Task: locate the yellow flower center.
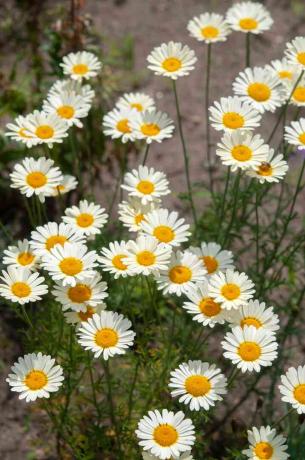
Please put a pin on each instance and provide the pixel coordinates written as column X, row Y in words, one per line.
column 146, row 187
column 302, row 138
column 106, row 338
column 117, row 262
column 197, row 385
column 299, row 393
column 230, row 291
column 233, row 120
column 210, row 263
column 44, row 131
column 55, row 239
column 71, row 266
column 172, row 64
column 301, row 58
column 259, row 92
column 35, row 380
column 265, row 169
column 165, row 435
column 251, row 321
column 20, row 289
column 248, row 24
column 22, row 133
column 80, row 69
column 164, row 233
column 285, row 74
column 241, row 153
column 36, row 179
column 249, row 351
column 80, row 293
column 299, row 94
column 180, row 274
column 146, row 258
column 209, row 32
column 136, row 105
column 150, row 129
column 263, row 450
column 84, row 316
column 139, row 218
column 209, row 307
column 25, row 258
column 123, row 126
column 84, row 220
column 66, row 111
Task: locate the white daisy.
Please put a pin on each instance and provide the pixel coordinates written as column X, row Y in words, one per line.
column 171, row 60
column 183, row 273
column 266, row 444
column 35, row 376
column 165, row 434
column 69, row 106
column 81, row 64
column 90, row 291
column 186, row 456
column 117, row 124
column 22, row 286
column 139, row 101
column 106, row 334
column 166, row 227
column 282, row 69
column 132, row 212
column 21, row 256
column 260, row 89
column 198, row 384
column 272, row 170
column 46, row 128
column 45, row 237
column 18, row 132
column 67, row 184
column 146, row 184
column 78, row 317
column 209, row 28
column 296, row 89
column 242, row 149
column 86, row 218
column 250, row 348
column 72, row 86
column 70, row 263
column 293, row 388
column 202, row 307
column 295, row 52
column 152, row 125
column 295, row 133
column 249, row 17
column 214, row 258
column 255, row 313
column 232, row 113
column 147, row 256
column 36, row 177
column 112, row 259
column 231, row 288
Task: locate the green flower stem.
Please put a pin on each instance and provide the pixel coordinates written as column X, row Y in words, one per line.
column 89, row 365
column 131, row 391
column 279, row 421
column 207, row 92
column 146, row 154
column 233, row 376
column 26, row 316
column 257, row 231
column 78, row 158
column 224, row 199
column 235, row 200
column 248, row 49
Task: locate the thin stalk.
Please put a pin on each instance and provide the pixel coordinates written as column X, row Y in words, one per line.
column 224, row 198
column 257, row 231
column 279, row 421
column 146, row 154
column 233, row 376
column 26, row 317
column 132, row 387
column 207, row 130
column 93, row 386
column 112, row 408
column 233, row 215
column 248, row 48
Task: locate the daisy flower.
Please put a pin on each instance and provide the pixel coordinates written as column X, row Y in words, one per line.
column 36, row 177
column 198, row 384
column 18, row 132
column 296, row 90
column 139, row 101
column 165, row 434
column 20, row 256
column 266, row 444
column 209, row 28
column 86, row 218
column 213, row 258
column 106, row 334
column 295, row 52
column 22, row 286
column 35, row 376
column 182, row 274
column 90, row 291
column 255, row 313
column 46, row 128
column 67, row 184
column 146, row 184
column 260, row 89
column 249, row 17
column 295, row 133
column 202, row 307
column 166, row 227
column 45, row 237
column 132, row 212
column 112, row 259
column 282, row 69
column 78, row 317
column 250, row 348
column 241, row 149
column 69, row 106
column 231, row 288
column 171, row 60
column 147, row 256
column 232, row 113
column 117, row 124
column 70, row 263
column 81, row 64
column 72, row 86
column 152, row 125
column 186, row 456
column 293, row 388
column 271, row 170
